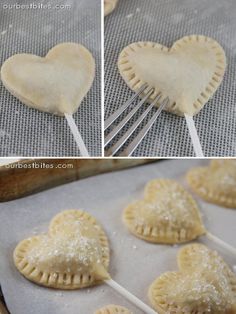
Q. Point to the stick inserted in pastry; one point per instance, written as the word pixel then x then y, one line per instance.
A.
pixel 188 73
pixel 168 214
pixel 194 136
pixel 77 135
pixel 56 84
pixel 73 254
pixel 133 299
pixel 221 243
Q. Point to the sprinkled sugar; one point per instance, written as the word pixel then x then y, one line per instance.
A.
pixel 173 209
pixel 77 250
pixel 207 287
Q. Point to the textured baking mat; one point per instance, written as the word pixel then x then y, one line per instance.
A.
pixel 134 263
pixel 28 132
pixel 166 21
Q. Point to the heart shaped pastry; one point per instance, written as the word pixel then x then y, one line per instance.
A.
pixel 74 254
pixel 113 309
pixel 109 6
pixel 56 84
pixel 215 183
pixel 204 284
pixel 168 214
pixel 189 73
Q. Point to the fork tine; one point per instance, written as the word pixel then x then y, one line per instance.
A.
pixel 134 144
pixel 117 113
pixel 117 129
pixel 113 150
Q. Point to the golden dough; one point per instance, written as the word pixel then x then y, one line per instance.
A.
pixel 109 6
pixel 168 214
pixel 216 183
pixel 56 84
pixel 72 255
pixel 204 284
pixel 113 309
pixel 188 73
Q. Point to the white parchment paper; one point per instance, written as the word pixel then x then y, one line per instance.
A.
pixel 134 263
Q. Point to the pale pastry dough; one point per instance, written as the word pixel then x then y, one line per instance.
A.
pixel 109 6
pixel 189 73
pixel 215 183
pixel 113 309
pixel 204 284
pixel 56 84
pixel 74 254
pixel 168 214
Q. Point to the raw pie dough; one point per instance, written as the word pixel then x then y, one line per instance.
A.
pixel 113 309
pixel 168 214
pixel 203 284
pixel 109 6
pixel 188 73
pixel 56 84
pixel 215 183
pixel 72 255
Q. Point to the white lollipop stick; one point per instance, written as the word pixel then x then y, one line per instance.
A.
pixel 77 135
pixel 220 242
pixel 129 296
pixel 194 136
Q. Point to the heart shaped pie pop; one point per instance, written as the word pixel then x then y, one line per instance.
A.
pixel 168 214
pixel 74 254
pixel 215 183
pixel 189 73
pixel 56 84
pixel 204 284
pixel 113 309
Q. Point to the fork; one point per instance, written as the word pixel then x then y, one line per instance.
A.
pixel 111 134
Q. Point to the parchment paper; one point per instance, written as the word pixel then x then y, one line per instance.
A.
pixel 134 263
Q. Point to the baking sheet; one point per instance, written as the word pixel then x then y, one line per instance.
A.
pixel 29 132
pixel 166 21
pixel 134 263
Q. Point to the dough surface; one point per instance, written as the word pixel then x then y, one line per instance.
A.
pixel 168 214
pixel 188 73
pixel 72 255
pixel 215 183
pixel 113 309
pixel 203 284
pixel 56 84
pixel 109 6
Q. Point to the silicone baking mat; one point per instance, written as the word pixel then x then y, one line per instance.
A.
pixel 134 263
pixel 28 132
pixel 166 21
